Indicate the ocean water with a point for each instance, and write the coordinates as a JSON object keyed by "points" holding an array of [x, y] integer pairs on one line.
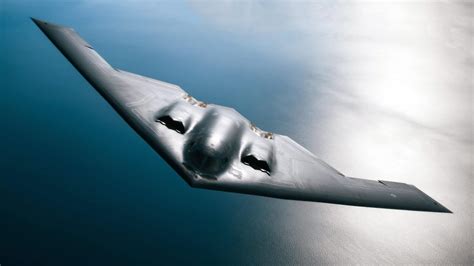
{"points": [[379, 91]]}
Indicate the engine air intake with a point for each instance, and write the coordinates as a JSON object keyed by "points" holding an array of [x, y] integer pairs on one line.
{"points": [[172, 124], [256, 164]]}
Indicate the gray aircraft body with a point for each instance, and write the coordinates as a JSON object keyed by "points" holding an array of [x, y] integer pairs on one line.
{"points": [[215, 147]]}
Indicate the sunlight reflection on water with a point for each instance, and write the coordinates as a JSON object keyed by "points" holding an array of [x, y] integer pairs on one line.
{"points": [[386, 94]]}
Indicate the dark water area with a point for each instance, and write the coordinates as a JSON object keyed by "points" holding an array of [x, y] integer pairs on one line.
{"points": [[379, 91]]}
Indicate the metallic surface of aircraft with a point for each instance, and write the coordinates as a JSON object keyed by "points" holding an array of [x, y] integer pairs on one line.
{"points": [[215, 147]]}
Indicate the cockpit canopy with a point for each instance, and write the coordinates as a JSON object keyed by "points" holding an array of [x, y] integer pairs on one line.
{"points": [[212, 145]]}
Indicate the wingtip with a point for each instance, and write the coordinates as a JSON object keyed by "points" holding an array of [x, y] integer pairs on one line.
{"points": [[446, 210], [40, 23], [35, 20], [433, 205], [441, 208], [45, 24]]}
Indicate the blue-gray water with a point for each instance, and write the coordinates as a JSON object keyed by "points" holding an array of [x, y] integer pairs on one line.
{"points": [[376, 90]]}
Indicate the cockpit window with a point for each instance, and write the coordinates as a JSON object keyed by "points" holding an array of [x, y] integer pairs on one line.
{"points": [[256, 164], [172, 124]]}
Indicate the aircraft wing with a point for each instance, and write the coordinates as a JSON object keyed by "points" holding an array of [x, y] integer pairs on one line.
{"points": [[300, 175], [127, 93], [215, 147]]}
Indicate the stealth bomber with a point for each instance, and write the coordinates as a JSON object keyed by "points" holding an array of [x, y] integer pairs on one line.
{"points": [[215, 147]]}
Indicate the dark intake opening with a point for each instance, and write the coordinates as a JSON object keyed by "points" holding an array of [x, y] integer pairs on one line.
{"points": [[256, 164], [172, 124]]}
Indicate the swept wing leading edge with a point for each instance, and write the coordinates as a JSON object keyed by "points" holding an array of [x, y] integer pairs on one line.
{"points": [[215, 147]]}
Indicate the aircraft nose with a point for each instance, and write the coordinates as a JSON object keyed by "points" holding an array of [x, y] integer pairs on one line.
{"points": [[212, 145], [208, 158]]}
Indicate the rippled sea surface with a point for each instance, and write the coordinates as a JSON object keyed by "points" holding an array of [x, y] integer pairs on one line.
{"points": [[378, 90]]}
